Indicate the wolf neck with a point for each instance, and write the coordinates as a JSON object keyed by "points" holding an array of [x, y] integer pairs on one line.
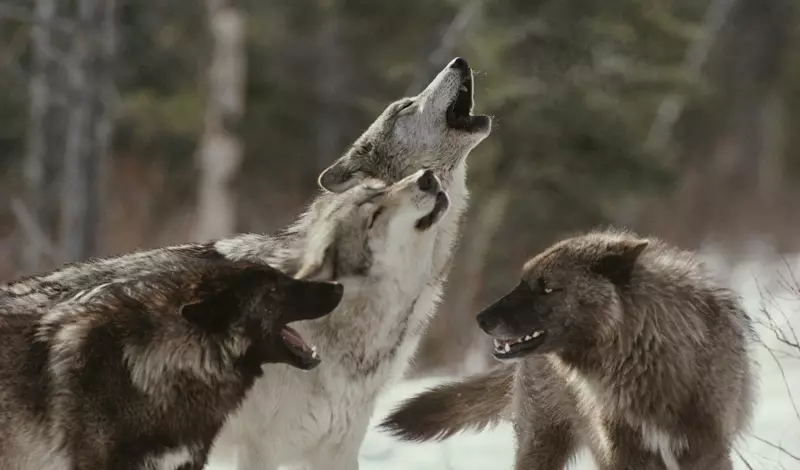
{"points": [[374, 330], [644, 368]]}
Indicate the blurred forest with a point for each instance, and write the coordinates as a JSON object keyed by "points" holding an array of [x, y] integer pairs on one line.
{"points": [[129, 123]]}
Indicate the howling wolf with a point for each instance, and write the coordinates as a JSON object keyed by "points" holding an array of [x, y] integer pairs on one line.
{"points": [[434, 130], [141, 373], [623, 345]]}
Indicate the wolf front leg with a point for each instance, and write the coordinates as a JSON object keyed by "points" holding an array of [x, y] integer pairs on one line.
{"points": [[342, 452], [255, 458], [541, 447]]}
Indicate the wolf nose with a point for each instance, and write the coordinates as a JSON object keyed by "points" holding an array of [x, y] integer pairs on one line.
{"points": [[459, 63], [427, 182], [486, 323]]}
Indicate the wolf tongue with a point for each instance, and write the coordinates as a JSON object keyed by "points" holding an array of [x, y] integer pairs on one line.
{"points": [[293, 338]]}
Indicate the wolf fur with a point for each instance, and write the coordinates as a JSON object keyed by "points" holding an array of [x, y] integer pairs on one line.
{"points": [[140, 374], [623, 345], [380, 247], [433, 130]]}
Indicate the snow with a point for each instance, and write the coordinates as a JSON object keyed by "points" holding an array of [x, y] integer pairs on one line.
{"points": [[776, 419]]}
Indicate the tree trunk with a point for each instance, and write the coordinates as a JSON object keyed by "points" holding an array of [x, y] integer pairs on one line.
{"points": [[37, 154], [332, 64], [220, 152], [89, 128]]}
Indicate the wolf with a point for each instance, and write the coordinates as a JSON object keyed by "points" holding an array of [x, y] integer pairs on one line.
{"points": [[434, 130], [614, 342], [378, 242], [141, 373]]}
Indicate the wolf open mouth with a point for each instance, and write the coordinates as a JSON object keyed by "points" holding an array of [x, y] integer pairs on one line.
{"points": [[459, 113], [439, 207], [307, 357], [515, 347]]}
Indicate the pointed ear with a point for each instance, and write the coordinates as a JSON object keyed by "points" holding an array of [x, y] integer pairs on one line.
{"points": [[618, 261], [319, 260], [216, 302], [340, 176], [213, 315]]}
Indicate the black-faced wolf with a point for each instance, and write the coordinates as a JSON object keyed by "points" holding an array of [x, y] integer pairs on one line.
{"points": [[622, 345], [141, 373]]}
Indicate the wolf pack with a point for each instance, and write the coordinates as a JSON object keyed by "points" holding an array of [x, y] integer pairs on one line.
{"points": [[164, 359]]}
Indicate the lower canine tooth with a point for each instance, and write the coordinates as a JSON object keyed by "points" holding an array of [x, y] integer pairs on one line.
{"points": [[536, 334], [507, 348], [463, 88]]}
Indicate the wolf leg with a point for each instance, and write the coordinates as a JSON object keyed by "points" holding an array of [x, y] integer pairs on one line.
{"points": [[254, 458], [711, 459], [627, 452], [545, 448], [343, 454]]}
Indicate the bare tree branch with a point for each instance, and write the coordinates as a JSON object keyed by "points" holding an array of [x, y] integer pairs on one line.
{"points": [[776, 447], [32, 231], [448, 44], [696, 57]]}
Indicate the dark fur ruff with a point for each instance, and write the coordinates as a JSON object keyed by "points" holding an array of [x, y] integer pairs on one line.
{"points": [[123, 373], [643, 358]]}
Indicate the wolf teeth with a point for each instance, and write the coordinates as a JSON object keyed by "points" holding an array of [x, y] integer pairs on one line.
{"points": [[314, 352], [463, 88]]}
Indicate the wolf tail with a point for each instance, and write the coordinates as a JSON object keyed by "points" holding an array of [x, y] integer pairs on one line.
{"points": [[438, 413]]}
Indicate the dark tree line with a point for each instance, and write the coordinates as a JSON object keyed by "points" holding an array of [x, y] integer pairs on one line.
{"points": [[131, 124]]}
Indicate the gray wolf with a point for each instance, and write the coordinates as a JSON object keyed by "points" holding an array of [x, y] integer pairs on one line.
{"points": [[378, 242], [375, 331], [434, 130], [141, 373], [613, 342]]}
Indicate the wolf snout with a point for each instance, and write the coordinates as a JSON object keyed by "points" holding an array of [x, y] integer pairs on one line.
{"points": [[488, 323], [496, 325], [428, 182], [459, 63], [316, 300]]}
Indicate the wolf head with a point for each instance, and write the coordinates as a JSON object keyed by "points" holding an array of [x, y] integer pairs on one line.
{"points": [[370, 225], [209, 319], [254, 303], [434, 130], [568, 296]]}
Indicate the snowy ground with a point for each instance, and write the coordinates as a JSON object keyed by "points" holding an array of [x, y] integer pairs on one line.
{"points": [[776, 420]]}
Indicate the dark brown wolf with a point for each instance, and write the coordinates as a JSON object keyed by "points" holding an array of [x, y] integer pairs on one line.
{"points": [[141, 373], [620, 344]]}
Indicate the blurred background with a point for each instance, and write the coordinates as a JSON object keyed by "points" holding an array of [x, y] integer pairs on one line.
{"points": [[129, 124]]}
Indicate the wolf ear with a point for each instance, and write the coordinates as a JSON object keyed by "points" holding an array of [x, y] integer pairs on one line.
{"points": [[213, 314], [319, 260], [618, 261], [339, 177], [216, 301]]}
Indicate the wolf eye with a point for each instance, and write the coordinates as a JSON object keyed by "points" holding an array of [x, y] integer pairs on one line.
{"points": [[543, 287], [375, 216], [405, 105]]}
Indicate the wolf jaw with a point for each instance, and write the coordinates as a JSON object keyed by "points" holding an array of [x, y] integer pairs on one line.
{"points": [[510, 348], [435, 129], [459, 113], [306, 355]]}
